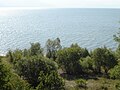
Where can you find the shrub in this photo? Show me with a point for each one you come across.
(114, 73)
(104, 58)
(50, 81)
(40, 72)
(117, 86)
(68, 59)
(86, 64)
(81, 83)
(11, 81)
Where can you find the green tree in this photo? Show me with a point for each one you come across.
(35, 49)
(14, 56)
(16, 83)
(50, 81)
(84, 51)
(10, 80)
(26, 53)
(81, 83)
(86, 64)
(115, 72)
(68, 59)
(103, 57)
(10, 55)
(51, 47)
(31, 68)
(4, 76)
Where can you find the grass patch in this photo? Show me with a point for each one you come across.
(92, 84)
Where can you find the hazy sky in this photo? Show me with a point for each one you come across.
(61, 3)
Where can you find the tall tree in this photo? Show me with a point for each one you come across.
(51, 47)
(68, 59)
(35, 49)
(103, 57)
(36, 67)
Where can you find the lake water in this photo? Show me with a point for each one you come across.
(89, 28)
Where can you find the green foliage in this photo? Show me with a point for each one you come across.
(16, 83)
(68, 59)
(104, 84)
(117, 39)
(103, 88)
(115, 72)
(14, 56)
(35, 49)
(81, 83)
(84, 51)
(29, 63)
(26, 53)
(30, 68)
(10, 56)
(86, 64)
(103, 57)
(11, 81)
(50, 81)
(117, 86)
(51, 47)
(4, 76)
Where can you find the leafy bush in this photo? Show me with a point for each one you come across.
(4, 76)
(35, 49)
(50, 81)
(40, 72)
(11, 81)
(30, 68)
(114, 73)
(103, 57)
(16, 55)
(68, 59)
(81, 83)
(117, 86)
(86, 64)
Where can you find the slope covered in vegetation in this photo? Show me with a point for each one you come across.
(57, 68)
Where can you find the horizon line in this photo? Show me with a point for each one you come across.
(27, 8)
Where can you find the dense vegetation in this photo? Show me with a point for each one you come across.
(54, 67)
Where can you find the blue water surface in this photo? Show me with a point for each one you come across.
(90, 28)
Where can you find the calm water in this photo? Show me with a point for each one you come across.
(89, 28)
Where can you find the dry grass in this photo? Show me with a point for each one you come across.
(92, 84)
